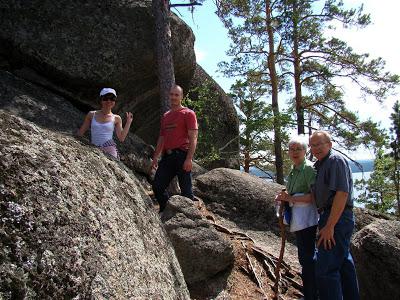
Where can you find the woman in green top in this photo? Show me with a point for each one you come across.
(304, 218)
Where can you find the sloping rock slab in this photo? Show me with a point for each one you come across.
(376, 251)
(366, 216)
(202, 251)
(238, 196)
(75, 224)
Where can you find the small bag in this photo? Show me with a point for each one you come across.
(287, 214)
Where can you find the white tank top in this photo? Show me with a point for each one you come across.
(101, 132)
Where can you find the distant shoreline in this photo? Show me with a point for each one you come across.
(367, 166)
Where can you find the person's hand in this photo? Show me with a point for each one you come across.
(129, 117)
(326, 237)
(154, 164)
(282, 196)
(187, 165)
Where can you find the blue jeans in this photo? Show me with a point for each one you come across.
(171, 165)
(306, 251)
(335, 271)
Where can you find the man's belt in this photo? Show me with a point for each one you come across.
(172, 151)
(323, 209)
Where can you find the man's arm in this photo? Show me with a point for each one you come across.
(327, 232)
(187, 165)
(157, 152)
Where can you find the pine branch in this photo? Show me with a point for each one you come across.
(348, 157)
(339, 114)
(185, 4)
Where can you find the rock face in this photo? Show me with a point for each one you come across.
(376, 251)
(84, 45)
(202, 251)
(366, 216)
(238, 196)
(221, 124)
(75, 224)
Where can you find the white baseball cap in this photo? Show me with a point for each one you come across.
(106, 91)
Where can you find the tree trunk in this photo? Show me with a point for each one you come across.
(297, 72)
(275, 104)
(397, 177)
(246, 166)
(165, 65)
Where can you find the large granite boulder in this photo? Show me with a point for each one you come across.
(221, 126)
(364, 217)
(76, 224)
(84, 45)
(49, 110)
(240, 197)
(376, 251)
(201, 250)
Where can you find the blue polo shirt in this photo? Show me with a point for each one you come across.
(333, 174)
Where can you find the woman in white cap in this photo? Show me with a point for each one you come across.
(103, 122)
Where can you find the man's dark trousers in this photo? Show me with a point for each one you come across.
(335, 271)
(171, 165)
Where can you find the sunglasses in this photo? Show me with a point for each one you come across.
(108, 98)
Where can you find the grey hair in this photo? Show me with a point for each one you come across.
(299, 140)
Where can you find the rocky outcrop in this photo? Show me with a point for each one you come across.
(76, 224)
(243, 198)
(84, 45)
(222, 124)
(376, 251)
(364, 217)
(202, 251)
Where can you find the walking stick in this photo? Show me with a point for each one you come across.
(283, 242)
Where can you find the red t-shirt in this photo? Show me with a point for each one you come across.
(175, 126)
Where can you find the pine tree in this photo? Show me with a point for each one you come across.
(255, 52)
(381, 190)
(395, 145)
(318, 61)
(255, 120)
(286, 42)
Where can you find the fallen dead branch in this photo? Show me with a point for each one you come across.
(269, 270)
(222, 228)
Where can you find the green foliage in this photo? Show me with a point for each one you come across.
(205, 104)
(255, 119)
(382, 189)
(380, 192)
(318, 61)
(310, 64)
(254, 60)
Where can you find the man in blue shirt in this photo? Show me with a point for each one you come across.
(335, 271)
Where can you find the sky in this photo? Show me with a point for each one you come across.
(378, 39)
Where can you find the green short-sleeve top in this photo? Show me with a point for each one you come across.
(301, 178)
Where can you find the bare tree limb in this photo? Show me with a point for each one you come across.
(185, 4)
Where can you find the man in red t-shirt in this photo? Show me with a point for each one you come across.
(176, 143)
